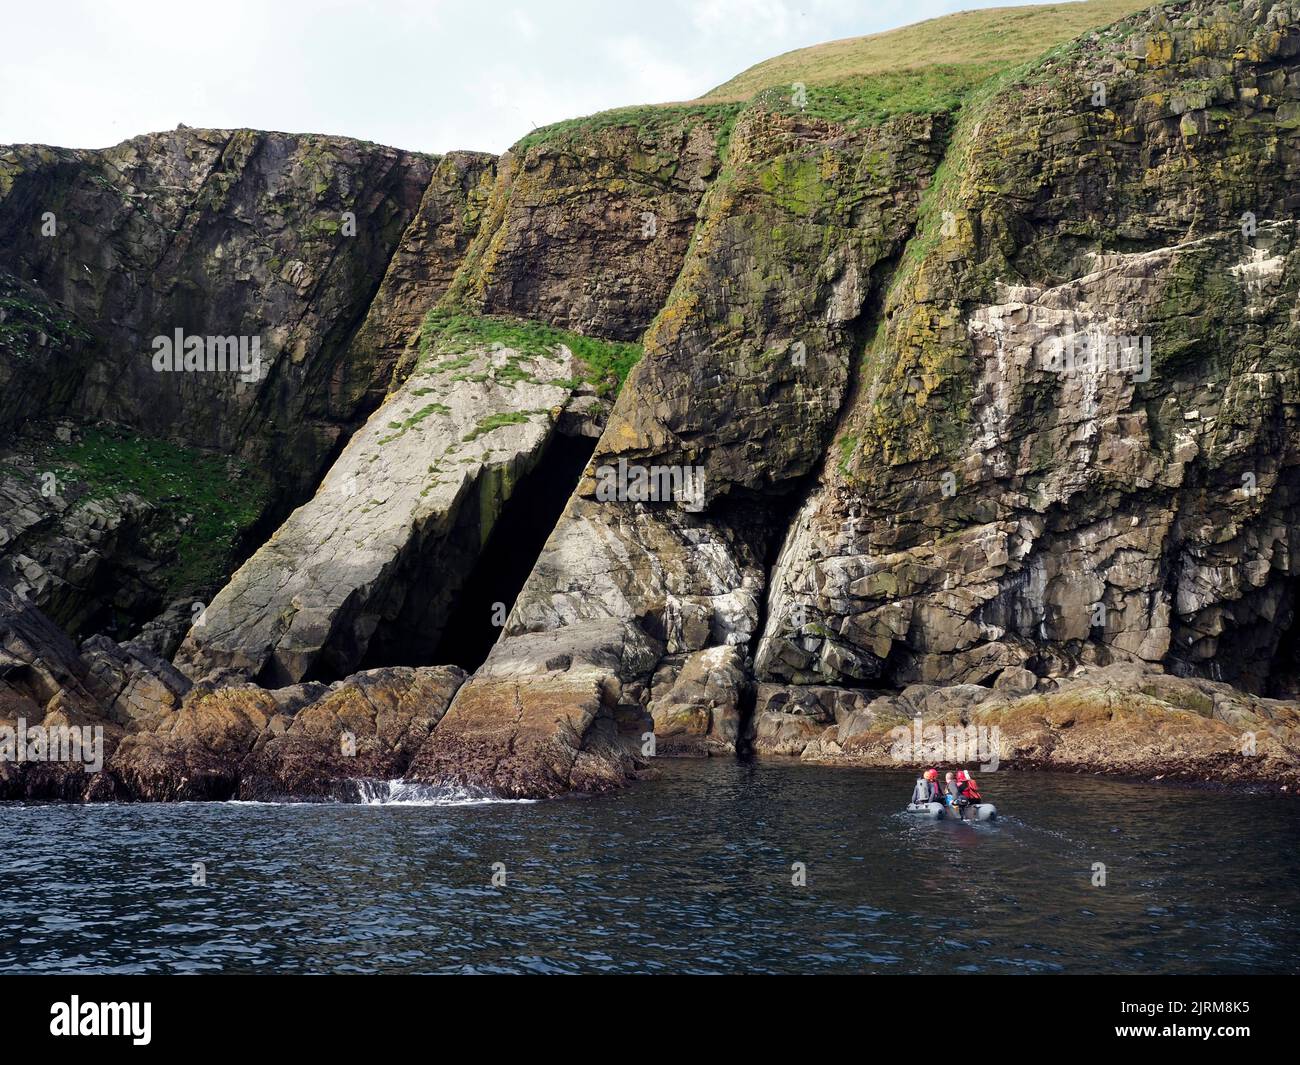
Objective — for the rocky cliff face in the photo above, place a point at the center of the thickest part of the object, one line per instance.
(992, 506)
(587, 224)
(984, 514)
(744, 373)
(419, 273)
(277, 241)
(962, 397)
(216, 233)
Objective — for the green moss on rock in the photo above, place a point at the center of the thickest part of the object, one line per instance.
(206, 502)
(446, 337)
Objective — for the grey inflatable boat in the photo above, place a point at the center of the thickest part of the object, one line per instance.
(937, 811)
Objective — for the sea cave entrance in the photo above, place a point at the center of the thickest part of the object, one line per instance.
(517, 538)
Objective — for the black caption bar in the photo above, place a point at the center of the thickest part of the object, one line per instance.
(150, 1014)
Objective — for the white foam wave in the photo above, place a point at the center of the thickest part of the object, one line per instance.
(407, 793)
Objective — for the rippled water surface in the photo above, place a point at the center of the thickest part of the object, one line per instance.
(689, 872)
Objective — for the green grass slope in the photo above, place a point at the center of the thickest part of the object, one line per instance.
(997, 36)
(923, 68)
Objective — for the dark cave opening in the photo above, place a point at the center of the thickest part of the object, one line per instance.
(508, 557)
(1284, 670)
(1260, 653)
(774, 517)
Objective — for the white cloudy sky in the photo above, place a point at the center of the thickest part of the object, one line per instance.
(430, 75)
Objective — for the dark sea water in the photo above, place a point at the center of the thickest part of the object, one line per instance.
(687, 873)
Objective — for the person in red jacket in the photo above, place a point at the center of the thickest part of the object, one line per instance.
(968, 792)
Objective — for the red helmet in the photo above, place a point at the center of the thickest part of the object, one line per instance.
(961, 775)
(930, 774)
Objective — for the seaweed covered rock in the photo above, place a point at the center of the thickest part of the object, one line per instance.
(1125, 719)
(547, 713)
(368, 728)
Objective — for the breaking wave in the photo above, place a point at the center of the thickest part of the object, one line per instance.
(408, 793)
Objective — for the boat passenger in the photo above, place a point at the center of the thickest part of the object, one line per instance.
(927, 788)
(967, 788)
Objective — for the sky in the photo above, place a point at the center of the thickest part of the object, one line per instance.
(428, 76)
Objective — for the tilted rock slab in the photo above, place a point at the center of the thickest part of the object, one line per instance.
(374, 560)
(218, 233)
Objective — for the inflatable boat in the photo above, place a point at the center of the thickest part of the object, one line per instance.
(937, 811)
